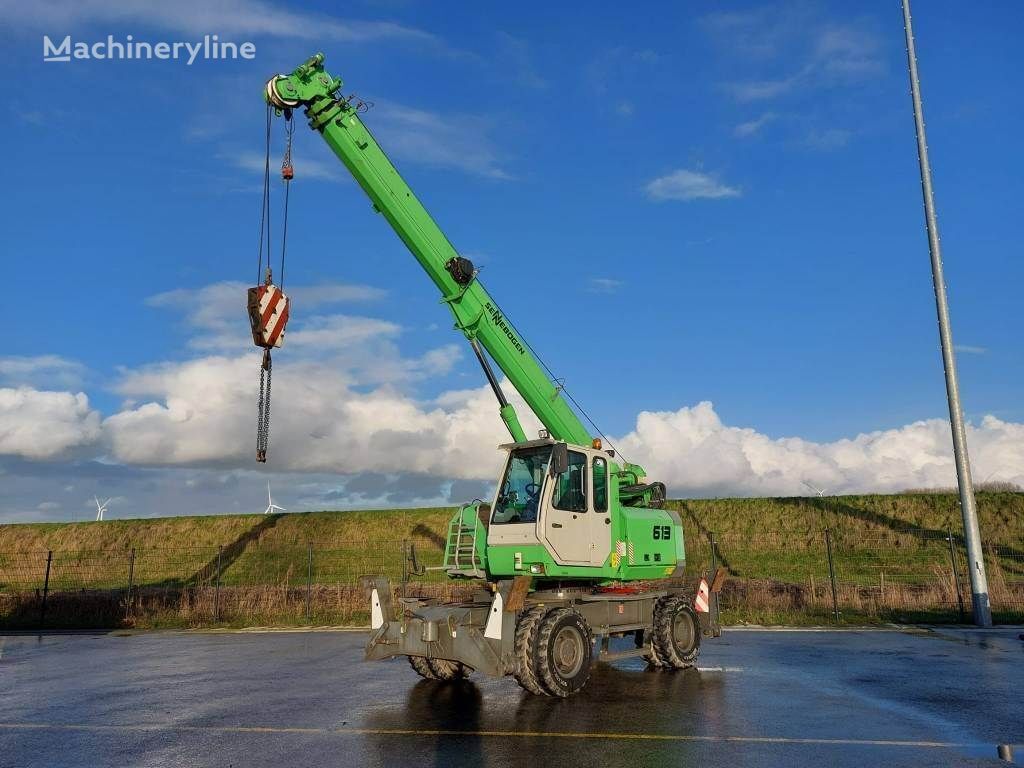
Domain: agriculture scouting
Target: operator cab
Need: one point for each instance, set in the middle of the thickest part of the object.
(557, 496)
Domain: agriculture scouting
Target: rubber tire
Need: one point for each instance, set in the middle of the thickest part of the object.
(668, 650)
(439, 669)
(422, 667)
(554, 682)
(444, 669)
(525, 671)
(654, 661)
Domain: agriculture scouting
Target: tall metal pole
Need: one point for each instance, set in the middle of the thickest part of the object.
(972, 534)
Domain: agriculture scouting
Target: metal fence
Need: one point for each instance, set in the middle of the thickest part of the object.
(831, 576)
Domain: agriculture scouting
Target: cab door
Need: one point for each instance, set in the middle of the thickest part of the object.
(567, 515)
(600, 513)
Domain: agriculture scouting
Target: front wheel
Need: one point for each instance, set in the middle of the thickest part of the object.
(564, 652)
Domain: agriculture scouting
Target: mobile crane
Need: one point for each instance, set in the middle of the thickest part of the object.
(576, 547)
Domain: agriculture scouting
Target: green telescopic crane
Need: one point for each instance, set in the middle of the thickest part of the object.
(568, 525)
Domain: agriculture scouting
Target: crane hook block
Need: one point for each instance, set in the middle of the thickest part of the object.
(268, 315)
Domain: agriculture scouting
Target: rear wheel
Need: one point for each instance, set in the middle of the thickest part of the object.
(564, 652)
(449, 670)
(643, 639)
(676, 634)
(525, 671)
(419, 663)
(439, 669)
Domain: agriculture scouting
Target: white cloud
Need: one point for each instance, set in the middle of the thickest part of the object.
(696, 454)
(202, 412)
(515, 55)
(765, 90)
(752, 127)
(344, 403)
(688, 185)
(827, 139)
(795, 50)
(42, 425)
(441, 141)
(41, 370)
(304, 167)
(216, 314)
(604, 285)
(848, 51)
(196, 18)
(418, 136)
(968, 349)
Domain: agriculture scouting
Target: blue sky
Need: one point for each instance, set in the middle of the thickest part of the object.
(726, 192)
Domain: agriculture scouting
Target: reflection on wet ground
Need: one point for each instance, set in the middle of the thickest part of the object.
(758, 698)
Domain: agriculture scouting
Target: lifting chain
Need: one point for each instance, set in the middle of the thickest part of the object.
(263, 422)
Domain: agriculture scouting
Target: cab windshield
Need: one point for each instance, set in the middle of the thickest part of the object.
(519, 493)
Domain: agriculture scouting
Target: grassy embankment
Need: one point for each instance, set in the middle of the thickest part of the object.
(891, 558)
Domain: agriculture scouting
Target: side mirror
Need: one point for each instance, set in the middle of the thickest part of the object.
(559, 459)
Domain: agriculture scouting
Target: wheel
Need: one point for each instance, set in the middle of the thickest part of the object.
(422, 667)
(654, 661)
(449, 670)
(439, 669)
(564, 652)
(676, 633)
(525, 671)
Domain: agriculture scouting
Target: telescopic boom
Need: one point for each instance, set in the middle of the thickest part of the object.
(476, 313)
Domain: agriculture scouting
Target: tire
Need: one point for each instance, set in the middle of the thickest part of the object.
(449, 670)
(654, 661)
(564, 654)
(525, 671)
(422, 667)
(676, 633)
(439, 669)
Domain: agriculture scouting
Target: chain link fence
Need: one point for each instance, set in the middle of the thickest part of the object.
(831, 576)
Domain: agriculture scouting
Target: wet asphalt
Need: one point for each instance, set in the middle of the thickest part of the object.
(790, 698)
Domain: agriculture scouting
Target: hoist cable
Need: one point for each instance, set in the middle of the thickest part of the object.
(265, 205)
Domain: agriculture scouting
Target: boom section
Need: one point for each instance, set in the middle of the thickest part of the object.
(476, 313)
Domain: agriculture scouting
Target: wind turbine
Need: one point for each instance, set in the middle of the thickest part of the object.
(100, 508)
(271, 506)
(814, 488)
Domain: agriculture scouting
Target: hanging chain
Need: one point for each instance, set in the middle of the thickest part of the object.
(263, 422)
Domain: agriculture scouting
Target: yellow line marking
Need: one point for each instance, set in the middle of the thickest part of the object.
(150, 727)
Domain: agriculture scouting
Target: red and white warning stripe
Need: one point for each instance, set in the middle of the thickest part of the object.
(273, 316)
(700, 602)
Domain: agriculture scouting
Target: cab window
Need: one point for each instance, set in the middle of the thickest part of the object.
(571, 486)
(600, 473)
(519, 495)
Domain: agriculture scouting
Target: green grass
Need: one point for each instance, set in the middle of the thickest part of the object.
(890, 554)
(760, 521)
